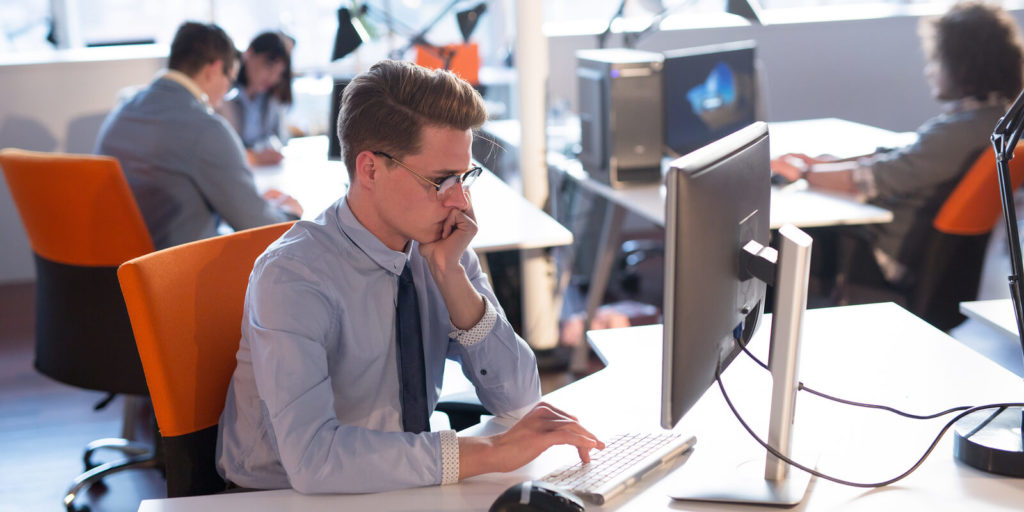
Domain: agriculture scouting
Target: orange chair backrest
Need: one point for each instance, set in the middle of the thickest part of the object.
(77, 209)
(974, 205)
(185, 304)
(463, 60)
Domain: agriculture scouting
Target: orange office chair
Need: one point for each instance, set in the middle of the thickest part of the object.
(82, 222)
(185, 304)
(952, 265)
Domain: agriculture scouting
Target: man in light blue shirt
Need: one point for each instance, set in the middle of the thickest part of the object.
(317, 401)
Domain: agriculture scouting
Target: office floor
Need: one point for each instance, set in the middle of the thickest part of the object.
(44, 426)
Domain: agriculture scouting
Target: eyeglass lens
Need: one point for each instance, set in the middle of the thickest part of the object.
(467, 179)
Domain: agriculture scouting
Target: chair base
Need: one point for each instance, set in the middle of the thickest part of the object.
(136, 455)
(83, 481)
(127, 447)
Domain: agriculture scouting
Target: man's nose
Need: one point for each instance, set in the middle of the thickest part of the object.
(455, 197)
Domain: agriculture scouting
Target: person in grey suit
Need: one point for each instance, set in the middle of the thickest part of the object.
(185, 164)
(974, 67)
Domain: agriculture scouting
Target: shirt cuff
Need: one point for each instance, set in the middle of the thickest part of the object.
(479, 331)
(864, 177)
(449, 457)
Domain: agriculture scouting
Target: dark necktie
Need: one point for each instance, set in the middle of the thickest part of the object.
(412, 377)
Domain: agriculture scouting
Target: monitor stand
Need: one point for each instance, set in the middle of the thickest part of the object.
(778, 484)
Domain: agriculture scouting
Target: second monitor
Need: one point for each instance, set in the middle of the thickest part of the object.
(708, 93)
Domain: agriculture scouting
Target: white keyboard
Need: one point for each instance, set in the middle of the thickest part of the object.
(624, 460)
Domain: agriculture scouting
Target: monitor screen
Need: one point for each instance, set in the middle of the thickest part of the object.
(716, 200)
(709, 92)
(334, 146)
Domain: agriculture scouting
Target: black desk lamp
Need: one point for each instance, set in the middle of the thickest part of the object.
(992, 441)
(748, 9)
(350, 34)
(468, 19)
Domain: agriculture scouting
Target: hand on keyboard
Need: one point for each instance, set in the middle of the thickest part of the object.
(541, 428)
(622, 463)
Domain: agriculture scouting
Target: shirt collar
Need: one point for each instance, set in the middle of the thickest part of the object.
(969, 103)
(186, 82)
(382, 255)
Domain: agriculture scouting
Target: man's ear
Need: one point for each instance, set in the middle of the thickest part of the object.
(207, 74)
(366, 169)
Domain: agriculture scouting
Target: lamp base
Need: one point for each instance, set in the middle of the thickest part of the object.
(992, 441)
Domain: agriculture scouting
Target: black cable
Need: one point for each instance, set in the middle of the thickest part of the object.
(791, 462)
(802, 387)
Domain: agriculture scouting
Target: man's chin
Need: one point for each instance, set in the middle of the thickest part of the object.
(424, 240)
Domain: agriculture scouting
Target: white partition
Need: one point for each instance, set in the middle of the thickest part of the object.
(56, 102)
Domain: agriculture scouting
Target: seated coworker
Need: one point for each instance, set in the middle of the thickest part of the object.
(330, 395)
(256, 105)
(974, 62)
(185, 165)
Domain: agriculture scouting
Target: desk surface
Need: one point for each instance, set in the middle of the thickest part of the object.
(996, 313)
(794, 204)
(870, 353)
(507, 220)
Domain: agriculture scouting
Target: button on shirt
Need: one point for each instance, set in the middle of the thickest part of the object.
(314, 401)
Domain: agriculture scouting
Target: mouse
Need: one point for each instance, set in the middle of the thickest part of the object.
(536, 496)
(780, 180)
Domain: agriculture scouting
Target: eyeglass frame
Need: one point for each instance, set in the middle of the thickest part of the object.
(465, 178)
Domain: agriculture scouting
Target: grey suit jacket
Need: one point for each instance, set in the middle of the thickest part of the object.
(185, 165)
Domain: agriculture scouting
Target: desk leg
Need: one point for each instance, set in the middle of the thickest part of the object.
(540, 314)
(485, 268)
(606, 252)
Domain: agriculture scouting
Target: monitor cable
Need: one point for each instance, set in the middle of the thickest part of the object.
(802, 387)
(964, 411)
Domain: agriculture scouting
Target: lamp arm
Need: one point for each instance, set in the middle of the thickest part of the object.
(608, 30)
(420, 37)
(1004, 139)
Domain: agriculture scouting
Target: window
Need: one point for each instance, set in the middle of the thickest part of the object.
(26, 24)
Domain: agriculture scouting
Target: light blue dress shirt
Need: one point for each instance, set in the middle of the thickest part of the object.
(314, 401)
(251, 126)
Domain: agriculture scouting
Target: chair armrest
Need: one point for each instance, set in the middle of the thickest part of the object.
(463, 409)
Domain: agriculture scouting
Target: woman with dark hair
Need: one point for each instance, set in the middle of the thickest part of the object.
(974, 65)
(255, 107)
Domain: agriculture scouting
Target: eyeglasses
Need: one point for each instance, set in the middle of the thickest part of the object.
(441, 185)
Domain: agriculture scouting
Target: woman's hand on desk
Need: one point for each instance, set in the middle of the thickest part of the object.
(285, 202)
(265, 156)
(541, 428)
(793, 166)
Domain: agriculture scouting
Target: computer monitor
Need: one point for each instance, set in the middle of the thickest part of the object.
(717, 265)
(708, 93)
(334, 145)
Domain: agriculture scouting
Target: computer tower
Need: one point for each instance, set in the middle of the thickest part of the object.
(620, 106)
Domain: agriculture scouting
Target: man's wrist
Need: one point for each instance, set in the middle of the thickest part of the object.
(474, 453)
(476, 333)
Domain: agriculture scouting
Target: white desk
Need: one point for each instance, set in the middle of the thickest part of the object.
(507, 220)
(996, 313)
(870, 353)
(794, 204)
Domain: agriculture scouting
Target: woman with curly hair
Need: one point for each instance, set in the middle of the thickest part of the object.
(974, 65)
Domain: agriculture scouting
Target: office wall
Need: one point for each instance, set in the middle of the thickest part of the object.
(58, 105)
